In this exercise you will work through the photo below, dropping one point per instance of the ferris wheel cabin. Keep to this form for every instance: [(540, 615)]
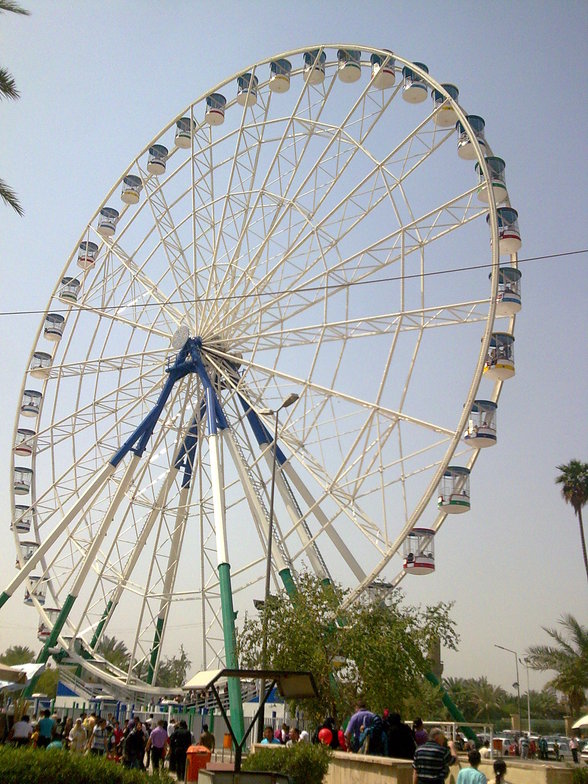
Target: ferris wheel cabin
[(445, 114), (414, 88), (215, 109), (31, 403), (348, 65), (184, 130), (508, 299), (500, 363), (131, 189), (419, 551), (25, 443), (509, 236), (23, 478), (383, 73), (39, 591), (247, 89), (157, 160), (314, 66), (496, 167), (280, 70), (465, 147), (53, 329), (87, 253), (107, 221), (23, 518), (481, 428), (27, 550), (454, 490), (44, 630), (41, 364), (70, 288)]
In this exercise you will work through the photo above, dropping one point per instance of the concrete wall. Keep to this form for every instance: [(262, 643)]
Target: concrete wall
[(348, 768), (364, 769)]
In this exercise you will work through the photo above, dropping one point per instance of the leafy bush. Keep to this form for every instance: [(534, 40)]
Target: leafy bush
[(31, 766), (304, 763), (580, 776)]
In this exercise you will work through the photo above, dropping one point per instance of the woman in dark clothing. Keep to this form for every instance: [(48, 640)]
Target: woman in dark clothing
[(179, 741)]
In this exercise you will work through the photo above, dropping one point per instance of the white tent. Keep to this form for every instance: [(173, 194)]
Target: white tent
[(17, 677), (581, 724)]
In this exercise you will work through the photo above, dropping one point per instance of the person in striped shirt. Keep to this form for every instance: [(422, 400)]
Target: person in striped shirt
[(432, 760)]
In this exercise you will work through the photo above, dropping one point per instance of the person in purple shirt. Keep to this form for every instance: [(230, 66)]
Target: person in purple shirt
[(361, 718), (420, 733), (157, 743)]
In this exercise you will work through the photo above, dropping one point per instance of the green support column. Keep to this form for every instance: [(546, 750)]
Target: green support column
[(228, 613), (288, 582), (50, 643), (100, 626), (452, 707), (155, 650)]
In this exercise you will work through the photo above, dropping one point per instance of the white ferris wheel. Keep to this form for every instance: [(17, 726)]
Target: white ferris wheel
[(294, 233)]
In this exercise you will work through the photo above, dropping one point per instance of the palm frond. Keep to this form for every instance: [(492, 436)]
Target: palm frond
[(8, 85), (13, 8), (9, 197)]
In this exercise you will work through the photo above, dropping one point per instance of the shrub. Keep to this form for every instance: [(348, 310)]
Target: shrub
[(580, 776), (305, 763), (32, 766)]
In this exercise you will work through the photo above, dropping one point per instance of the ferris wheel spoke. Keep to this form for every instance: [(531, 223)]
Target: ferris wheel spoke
[(304, 292), (172, 246), (354, 196), (321, 390), (336, 134), (139, 277), (368, 326)]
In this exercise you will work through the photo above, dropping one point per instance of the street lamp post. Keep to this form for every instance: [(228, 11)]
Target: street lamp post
[(516, 655), (525, 661), (292, 398)]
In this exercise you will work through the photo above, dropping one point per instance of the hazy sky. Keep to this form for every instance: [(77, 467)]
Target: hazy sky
[(99, 79)]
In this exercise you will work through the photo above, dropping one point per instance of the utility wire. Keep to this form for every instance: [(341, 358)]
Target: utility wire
[(301, 289)]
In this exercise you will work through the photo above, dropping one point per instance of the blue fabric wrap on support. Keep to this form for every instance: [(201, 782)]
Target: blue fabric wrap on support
[(261, 433)]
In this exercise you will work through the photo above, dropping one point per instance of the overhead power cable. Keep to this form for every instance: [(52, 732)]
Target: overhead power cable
[(302, 289)]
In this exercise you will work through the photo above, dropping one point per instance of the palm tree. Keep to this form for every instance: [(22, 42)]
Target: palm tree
[(569, 659), (8, 90), (17, 654), (574, 488), (488, 699), (114, 651)]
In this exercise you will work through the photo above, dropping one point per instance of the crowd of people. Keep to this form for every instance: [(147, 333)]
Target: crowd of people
[(134, 743), (146, 744)]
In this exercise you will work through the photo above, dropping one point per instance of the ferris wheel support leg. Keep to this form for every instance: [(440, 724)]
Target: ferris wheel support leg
[(100, 479), (260, 515), (89, 559), (224, 574), (137, 550), (170, 573), (337, 540), (264, 438)]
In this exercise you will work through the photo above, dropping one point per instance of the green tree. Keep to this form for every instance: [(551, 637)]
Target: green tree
[(172, 672), (8, 90), (488, 700), (47, 682), (376, 650), (17, 654), (568, 658), (461, 691), (574, 489), (114, 651)]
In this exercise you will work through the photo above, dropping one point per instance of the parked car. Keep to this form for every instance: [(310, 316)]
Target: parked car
[(563, 751)]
